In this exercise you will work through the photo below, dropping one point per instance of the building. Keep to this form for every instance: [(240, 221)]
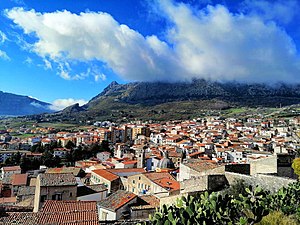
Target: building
[(17, 181), (8, 171), (95, 192), (4, 154), (54, 187), (58, 212), (103, 156), (116, 206), (159, 184), (110, 180), (198, 167)]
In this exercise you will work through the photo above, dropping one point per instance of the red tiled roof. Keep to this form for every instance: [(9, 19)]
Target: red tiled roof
[(8, 200), (11, 168), (59, 212), (117, 200), (154, 176), (129, 162), (67, 206), (19, 179), (169, 184), (105, 174)]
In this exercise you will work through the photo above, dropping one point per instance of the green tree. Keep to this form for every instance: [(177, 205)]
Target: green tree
[(70, 145), (296, 166)]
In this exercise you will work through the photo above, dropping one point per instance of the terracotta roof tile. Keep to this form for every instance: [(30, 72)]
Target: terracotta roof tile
[(11, 168), (105, 174), (19, 179), (117, 200), (58, 212)]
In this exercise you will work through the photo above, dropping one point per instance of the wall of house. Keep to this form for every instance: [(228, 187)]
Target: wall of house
[(141, 213), (266, 165), (138, 183), (93, 197), (110, 215), (185, 172), (111, 186), (37, 196), (67, 193), (125, 207)]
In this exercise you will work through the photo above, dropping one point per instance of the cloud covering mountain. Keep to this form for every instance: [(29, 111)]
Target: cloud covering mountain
[(210, 42)]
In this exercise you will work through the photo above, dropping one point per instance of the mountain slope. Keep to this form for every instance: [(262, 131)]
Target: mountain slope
[(233, 93), (160, 101), (18, 105)]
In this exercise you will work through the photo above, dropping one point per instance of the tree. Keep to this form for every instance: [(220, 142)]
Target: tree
[(29, 164), (296, 166), (70, 145), (104, 147)]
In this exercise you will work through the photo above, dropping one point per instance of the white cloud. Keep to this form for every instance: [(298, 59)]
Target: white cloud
[(4, 56), (100, 76), (37, 105), (3, 37), (48, 65), (283, 11), (60, 104), (28, 61), (210, 43)]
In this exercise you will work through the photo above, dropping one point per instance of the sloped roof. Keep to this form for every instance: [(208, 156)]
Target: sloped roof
[(53, 179), (11, 168), (117, 200), (106, 174), (19, 179), (58, 212), (74, 170)]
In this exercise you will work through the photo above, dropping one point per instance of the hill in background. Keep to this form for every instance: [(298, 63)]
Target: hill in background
[(184, 100), (18, 105)]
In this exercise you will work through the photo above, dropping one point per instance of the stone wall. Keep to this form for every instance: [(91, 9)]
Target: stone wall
[(267, 182), (171, 199), (194, 184)]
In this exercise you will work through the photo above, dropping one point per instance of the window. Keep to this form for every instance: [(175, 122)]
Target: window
[(104, 215), (133, 181), (57, 196), (71, 194), (139, 178), (43, 198)]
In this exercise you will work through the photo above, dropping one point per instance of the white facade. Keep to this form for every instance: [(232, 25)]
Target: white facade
[(103, 156)]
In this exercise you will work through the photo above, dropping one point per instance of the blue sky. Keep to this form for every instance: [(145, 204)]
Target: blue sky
[(66, 51)]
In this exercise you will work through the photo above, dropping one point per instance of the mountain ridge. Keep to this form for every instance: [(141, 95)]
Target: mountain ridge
[(180, 100), (21, 105)]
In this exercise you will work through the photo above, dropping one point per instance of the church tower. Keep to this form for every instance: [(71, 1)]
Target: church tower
[(140, 158)]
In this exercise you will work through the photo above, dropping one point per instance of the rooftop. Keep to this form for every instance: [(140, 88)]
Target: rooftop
[(58, 212), (11, 168), (53, 179), (26, 190), (73, 170), (19, 179), (117, 200), (202, 165), (105, 174)]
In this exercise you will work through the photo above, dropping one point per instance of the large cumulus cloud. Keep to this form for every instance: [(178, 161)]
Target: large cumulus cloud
[(210, 43)]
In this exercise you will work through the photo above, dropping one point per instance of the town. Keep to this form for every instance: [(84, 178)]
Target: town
[(111, 172)]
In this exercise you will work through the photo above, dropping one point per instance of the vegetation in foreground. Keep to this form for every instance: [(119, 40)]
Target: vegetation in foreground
[(250, 206)]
